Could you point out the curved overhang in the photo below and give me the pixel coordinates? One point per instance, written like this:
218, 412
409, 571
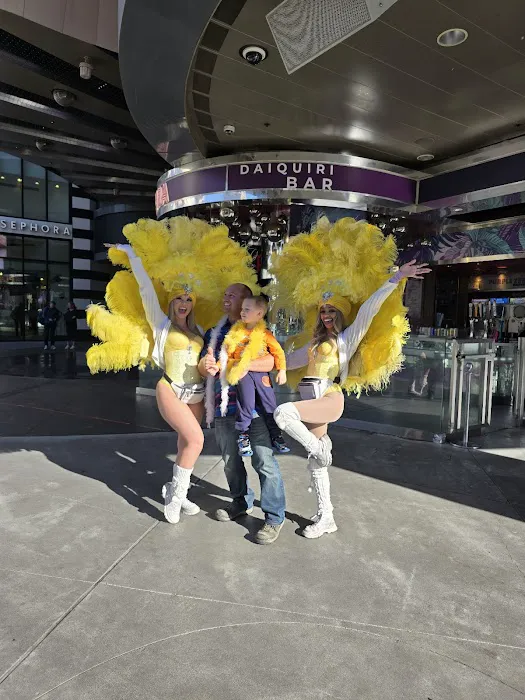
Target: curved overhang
156, 47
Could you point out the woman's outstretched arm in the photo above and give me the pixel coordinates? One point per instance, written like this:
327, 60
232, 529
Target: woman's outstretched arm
154, 314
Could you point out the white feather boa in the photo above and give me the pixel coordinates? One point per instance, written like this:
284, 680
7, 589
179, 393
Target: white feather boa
210, 381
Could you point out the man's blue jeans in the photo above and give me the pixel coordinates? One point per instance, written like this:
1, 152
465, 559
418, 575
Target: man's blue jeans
272, 487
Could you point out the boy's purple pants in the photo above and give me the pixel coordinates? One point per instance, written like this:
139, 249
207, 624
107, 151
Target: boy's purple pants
255, 392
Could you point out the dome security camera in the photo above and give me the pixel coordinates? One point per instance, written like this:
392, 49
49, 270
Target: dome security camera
118, 144
63, 97
229, 129
253, 54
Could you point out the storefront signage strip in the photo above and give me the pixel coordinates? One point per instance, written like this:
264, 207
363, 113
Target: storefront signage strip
289, 176
497, 283
31, 227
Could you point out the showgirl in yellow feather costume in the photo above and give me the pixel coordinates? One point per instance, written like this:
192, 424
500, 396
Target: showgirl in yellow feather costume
339, 279
177, 271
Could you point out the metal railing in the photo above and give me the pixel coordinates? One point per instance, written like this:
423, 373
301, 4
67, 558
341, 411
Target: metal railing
461, 383
519, 383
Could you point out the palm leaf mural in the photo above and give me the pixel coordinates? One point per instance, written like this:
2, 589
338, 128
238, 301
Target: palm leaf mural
521, 236
487, 241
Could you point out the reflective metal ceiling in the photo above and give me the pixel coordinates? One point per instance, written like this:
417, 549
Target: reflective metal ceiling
390, 92
36, 60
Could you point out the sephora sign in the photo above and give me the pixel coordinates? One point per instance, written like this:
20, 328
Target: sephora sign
247, 180
9, 224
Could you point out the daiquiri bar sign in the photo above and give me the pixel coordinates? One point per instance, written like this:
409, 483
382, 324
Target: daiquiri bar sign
182, 187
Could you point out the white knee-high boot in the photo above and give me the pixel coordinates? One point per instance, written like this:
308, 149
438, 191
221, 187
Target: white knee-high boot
289, 420
188, 507
324, 521
174, 493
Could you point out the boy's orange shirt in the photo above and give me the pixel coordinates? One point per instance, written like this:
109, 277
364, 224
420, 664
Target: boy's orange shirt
273, 348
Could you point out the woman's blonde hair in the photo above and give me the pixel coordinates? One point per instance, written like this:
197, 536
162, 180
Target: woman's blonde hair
321, 332
192, 325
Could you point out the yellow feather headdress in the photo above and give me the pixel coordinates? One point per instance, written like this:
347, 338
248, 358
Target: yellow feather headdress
344, 264
179, 255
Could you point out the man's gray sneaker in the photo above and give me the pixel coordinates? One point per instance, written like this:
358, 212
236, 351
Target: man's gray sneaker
232, 512
268, 533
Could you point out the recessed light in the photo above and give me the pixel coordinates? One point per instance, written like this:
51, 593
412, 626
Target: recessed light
457, 209
424, 157
452, 37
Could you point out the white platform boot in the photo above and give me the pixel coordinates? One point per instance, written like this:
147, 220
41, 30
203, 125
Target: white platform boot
289, 421
323, 521
174, 493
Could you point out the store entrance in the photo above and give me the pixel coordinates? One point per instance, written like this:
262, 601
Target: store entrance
33, 271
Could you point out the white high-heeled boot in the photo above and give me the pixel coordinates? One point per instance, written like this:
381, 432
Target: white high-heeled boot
289, 421
174, 493
323, 522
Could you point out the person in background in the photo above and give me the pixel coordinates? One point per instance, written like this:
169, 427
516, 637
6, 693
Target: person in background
33, 318
70, 317
18, 316
49, 318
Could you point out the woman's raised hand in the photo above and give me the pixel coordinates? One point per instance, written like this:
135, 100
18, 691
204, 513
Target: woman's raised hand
413, 269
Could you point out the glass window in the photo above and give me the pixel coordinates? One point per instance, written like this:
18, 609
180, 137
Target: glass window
12, 308
34, 248
57, 198
10, 246
10, 185
59, 250
34, 191
35, 283
59, 290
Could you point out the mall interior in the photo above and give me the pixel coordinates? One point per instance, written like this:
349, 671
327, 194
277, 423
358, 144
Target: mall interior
257, 115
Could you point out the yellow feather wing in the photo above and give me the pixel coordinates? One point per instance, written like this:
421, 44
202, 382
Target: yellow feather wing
352, 259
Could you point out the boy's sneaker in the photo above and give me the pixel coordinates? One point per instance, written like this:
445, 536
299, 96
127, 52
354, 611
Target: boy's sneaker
244, 444
280, 446
232, 511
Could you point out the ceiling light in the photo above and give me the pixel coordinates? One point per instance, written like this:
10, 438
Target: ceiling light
86, 68
457, 209
424, 157
2, 177
57, 187
37, 183
41, 145
19, 179
452, 37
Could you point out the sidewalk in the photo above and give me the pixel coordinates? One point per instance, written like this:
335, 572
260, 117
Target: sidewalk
419, 595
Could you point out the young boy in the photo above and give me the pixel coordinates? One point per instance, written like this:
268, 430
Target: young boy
248, 339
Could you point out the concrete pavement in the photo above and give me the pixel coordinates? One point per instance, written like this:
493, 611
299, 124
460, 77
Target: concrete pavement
420, 594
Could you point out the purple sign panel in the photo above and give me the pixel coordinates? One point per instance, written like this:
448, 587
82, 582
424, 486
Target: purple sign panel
198, 182
320, 176
317, 177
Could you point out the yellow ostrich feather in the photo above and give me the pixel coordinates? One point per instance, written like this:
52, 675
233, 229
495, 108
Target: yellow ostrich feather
255, 348
351, 259
175, 252
123, 346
